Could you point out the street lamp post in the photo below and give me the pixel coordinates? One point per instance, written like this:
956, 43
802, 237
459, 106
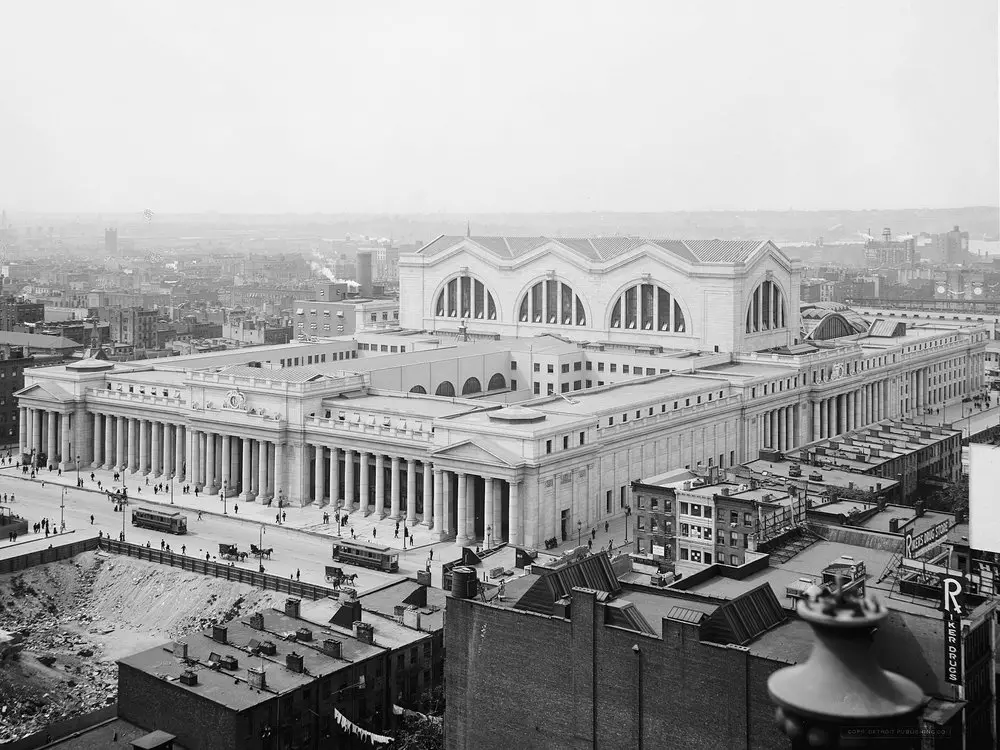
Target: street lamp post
489, 537
77, 471
812, 710
628, 512
579, 531
260, 549
62, 511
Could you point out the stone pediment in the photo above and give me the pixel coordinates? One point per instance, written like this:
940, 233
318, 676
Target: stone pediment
472, 451
47, 392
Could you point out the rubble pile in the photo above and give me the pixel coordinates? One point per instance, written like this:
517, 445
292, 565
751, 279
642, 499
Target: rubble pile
65, 625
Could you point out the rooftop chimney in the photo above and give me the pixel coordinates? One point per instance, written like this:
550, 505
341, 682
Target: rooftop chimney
219, 633
411, 618
256, 678
303, 634
189, 678
292, 607
364, 632
294, 662
333, 648
180, 650
257, 621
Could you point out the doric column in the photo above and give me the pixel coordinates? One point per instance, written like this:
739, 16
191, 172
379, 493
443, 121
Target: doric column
156, 467
278, 480
255, 486
488, 511
348, 480
66, 448
210, 486
516, 534
789, 427
142, 466
226, 479
52, 435
411, 492
380, 484
438, 532
98, 434
196, 473
262, 456
817, 424
22, 431
364, 500
246, 469
462, 522
319, 475
765, 420
428, 519
166, 468
36, 430
183, 466
335, 476
394, 488
118, 458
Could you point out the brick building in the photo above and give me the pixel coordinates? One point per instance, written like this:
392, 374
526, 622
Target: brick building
15, 313
13, 360
132, 325
277, 680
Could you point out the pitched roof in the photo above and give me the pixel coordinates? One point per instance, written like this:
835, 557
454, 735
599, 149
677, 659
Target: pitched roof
284, 374
38, 340
599, 249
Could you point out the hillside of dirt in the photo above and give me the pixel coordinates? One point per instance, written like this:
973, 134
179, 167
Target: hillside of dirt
62, 626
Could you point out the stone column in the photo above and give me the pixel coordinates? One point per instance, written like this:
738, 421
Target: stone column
394, 488
817, 425
348, 480
335, 476
196, 473
765, 420
364, 499
262, 456
516, 534
411, 492
120, 459
488, 519
278, 480
22, 431
462, 531
380, 485
255, 489
52, 435
157, 466
168, 451
226, 479
65, 444
98, 441
247, 493
438, 532
183, 439
36, 430
142, 467
789, 428
428, 519
110, 441
210, 486
319, 475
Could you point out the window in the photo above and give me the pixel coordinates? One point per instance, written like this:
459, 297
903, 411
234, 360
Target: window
641, 522
746, 519
600, 367
583, 438
550, 369
648, 307
565, 442
684, 553
650, 370
537, 367
548, 446
590, 366
577, 366
684, 509
564, 388
720, 537
625, 369
513, 365
695, 510
577, 385
565, 367
536, 386
614, 367
590, 383
654, 502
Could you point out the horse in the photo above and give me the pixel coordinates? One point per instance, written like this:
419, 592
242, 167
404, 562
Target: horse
266, 552
243, 556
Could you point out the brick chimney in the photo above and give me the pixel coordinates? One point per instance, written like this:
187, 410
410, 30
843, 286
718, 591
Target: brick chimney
294, 662
364, 632
219, 633
256, 678
333, 648
257, 621
292, 607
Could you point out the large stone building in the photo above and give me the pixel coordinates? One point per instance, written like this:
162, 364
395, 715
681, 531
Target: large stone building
530, 382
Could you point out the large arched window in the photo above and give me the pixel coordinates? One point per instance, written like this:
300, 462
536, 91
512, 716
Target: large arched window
497, 382
648, 307
552, 302
465, 297
445, 389
766, 311
472, 385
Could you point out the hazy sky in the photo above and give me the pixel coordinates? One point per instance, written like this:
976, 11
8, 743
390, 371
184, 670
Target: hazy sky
422, 106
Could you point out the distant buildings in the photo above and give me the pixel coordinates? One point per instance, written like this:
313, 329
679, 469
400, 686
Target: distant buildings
13, 361
134, 326
889, 251
17, 312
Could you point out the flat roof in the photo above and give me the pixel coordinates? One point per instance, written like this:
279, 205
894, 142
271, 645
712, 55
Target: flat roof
751, 369
385, 599
412, 405
654, 605
625, 395
832, 477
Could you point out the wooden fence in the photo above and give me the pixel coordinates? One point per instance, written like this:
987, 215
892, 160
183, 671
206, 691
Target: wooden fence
217, 569
43, 556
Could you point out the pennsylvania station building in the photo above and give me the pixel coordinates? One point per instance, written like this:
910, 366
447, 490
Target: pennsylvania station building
529, 382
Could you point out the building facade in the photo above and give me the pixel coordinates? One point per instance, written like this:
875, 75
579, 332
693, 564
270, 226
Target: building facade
450, 422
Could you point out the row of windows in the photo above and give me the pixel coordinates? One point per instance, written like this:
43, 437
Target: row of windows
390, 348
663, 407
317, 359
581, 440
326, 327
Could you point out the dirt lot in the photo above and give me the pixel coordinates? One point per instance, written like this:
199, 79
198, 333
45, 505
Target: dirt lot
62, 626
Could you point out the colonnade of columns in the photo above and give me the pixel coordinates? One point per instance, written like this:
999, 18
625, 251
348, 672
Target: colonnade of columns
246, 468
469, 506
851, 410
781, 428
48, 432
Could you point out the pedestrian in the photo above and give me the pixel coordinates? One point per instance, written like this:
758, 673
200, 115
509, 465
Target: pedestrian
199, 515
406, 532
607, 526
593, 533
91, 476
352, 534
373, 532
207, 557
60, 472
147, 478
396, 535
162, 544
297, 574
183, 549
236, 508
91, 519
284, 516
432, 554
196, 490
590, 544
277, 517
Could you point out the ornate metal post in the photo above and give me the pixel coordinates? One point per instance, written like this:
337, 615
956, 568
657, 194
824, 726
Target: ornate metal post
840, 697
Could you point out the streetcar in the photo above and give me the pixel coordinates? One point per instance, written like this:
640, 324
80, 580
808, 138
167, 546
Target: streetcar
366, 555
161, 520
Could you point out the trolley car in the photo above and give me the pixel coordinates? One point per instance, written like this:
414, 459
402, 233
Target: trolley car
161, 520
366, 555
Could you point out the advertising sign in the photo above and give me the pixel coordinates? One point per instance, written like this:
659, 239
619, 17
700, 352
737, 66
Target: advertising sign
953, 651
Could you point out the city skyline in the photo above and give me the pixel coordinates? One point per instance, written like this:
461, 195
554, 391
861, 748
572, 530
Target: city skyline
451, 108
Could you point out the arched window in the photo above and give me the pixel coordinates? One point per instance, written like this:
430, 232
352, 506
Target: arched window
552, 302
418, 389
497, 382
648, 307
766, 311
472, 385
465, 297
445, 389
